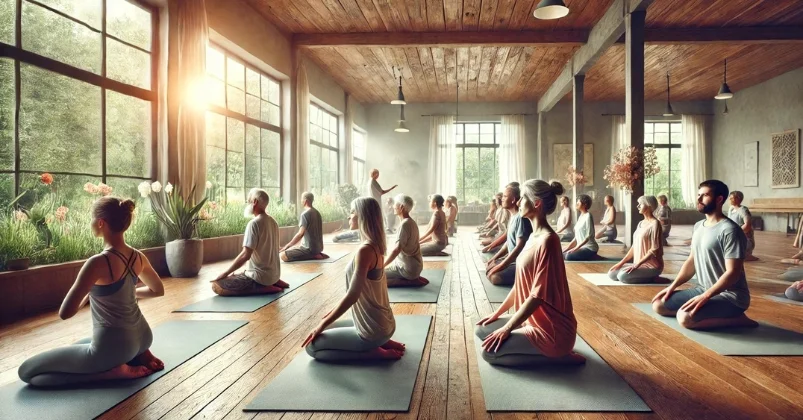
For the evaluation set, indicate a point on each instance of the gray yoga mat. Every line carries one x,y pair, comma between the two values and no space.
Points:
333,257
496,294
675,257
438,258
780,297
590,387
248,303
425,294
308,385
601,260
765,340
614,243
174,342
602,279
486,256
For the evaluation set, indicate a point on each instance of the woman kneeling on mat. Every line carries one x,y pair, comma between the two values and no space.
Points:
367,335
404,264
121,337
435,240
647,252
795,291
543,329
584,246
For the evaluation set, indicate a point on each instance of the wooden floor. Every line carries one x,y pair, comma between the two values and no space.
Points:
675,376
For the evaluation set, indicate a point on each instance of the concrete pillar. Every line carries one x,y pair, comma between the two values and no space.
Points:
634,109
539,148
577,133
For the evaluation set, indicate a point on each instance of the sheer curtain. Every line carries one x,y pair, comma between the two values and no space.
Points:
302,129
442,166
189,153
511,150
692,157
618,142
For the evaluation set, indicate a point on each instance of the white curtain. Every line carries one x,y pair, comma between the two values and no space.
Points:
348,120
442,166
302,129
618,142
511,150
693,169
189,153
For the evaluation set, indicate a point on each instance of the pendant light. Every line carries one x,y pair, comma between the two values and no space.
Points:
550,9
399,96
724,90
402,128
668,112
725,111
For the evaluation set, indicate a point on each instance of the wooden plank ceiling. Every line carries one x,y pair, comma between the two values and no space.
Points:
524,72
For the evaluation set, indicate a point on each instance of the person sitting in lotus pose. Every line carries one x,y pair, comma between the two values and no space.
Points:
501,268
565,225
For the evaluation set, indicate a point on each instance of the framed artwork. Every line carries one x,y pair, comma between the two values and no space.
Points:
786,159
562,158
751,164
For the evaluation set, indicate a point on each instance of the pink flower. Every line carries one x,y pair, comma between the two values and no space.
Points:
90,188
46,178
61,213
213,205
204,215
104,189
20,216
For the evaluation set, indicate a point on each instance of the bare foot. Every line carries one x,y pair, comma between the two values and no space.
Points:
423,281
393,345
380,353
792,261
320,256
572,359
744,321
124,372
751,258
150,361
282,284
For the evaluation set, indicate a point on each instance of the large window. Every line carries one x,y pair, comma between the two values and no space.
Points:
667,138
358,175
323,150
243,128
78,78
477,161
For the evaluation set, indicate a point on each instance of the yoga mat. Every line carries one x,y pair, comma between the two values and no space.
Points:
765,340
333,256
601,260
590,387
780,297
174,342
614,243
675,257
248,303
496,294
425,294
602,279
486,256
438,258
308,385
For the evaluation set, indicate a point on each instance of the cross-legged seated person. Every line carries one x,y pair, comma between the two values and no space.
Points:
741,215
795,291
310,227
664,215
404,264
121,337
584,246
351,235
367,335
500,213
647,252
434,239
260,245
491,216
565,227
717,258
608,221
501,268
543,329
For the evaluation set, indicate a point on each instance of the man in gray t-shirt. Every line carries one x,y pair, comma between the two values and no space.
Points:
311,230
718,246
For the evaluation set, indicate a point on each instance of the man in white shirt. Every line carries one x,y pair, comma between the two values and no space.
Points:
260,245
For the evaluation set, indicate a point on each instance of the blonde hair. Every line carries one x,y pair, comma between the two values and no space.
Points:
536,189
369,220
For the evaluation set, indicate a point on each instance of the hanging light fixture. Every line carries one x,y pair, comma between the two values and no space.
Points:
402,128
724,90
725,111
400,96
550,9
668,112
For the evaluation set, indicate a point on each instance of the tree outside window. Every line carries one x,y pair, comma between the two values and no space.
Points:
477,161
667,138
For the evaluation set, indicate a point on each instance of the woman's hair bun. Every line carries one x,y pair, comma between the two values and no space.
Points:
557,187
128,205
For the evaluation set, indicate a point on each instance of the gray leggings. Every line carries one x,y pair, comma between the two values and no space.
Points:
792,274
347,236
637,276
582,254
78,363
517,350
794,294
398,276
432,249
341,342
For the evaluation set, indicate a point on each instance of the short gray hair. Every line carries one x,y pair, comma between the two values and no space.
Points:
260,196
308,196
405,201
649,201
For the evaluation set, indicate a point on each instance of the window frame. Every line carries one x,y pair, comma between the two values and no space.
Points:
461,195
245,119
323,146
19,56
364,135
668,146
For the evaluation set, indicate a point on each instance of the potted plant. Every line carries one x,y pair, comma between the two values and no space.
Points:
179,214
18,241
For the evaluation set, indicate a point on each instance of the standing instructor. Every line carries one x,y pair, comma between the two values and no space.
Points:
375,190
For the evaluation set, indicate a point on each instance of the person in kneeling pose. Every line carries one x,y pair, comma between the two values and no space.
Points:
795,291
311,229
499,217
260,244
565,226
121,337
664,215
543,329
434,239
390,217
451,210
741,215
717,258
584,246
404,264
351,235
367,335
647,252
491,219
501,268
608,221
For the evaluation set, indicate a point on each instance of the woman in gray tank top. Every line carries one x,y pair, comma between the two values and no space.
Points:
120,335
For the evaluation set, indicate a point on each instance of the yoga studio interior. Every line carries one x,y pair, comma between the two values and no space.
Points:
401,209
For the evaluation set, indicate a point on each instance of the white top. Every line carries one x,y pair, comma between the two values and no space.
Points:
410,255
565,215
371,314
375,190
262,236
584,228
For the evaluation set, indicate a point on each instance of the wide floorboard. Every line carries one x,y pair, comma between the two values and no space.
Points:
676,377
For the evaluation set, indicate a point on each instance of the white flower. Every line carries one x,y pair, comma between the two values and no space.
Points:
156,186
144,188
208,184
169,188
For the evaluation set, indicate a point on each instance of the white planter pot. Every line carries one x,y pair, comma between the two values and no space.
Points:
184,257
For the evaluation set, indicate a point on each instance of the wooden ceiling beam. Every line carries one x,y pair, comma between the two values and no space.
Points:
731,35
441,39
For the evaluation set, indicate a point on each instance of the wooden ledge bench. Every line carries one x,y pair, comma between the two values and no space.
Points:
788,205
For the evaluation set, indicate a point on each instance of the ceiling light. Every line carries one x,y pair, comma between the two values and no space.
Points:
402,128
399,96
724,90
668,112
550,9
